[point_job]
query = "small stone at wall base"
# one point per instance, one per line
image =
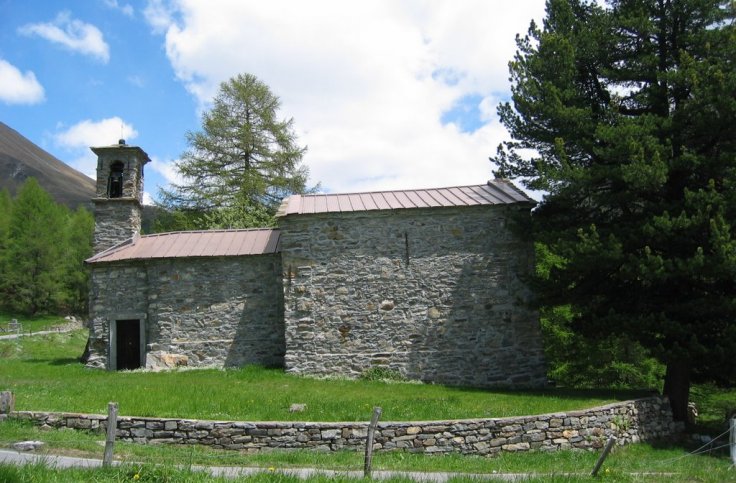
(297, 408)
(28, 445)
(159, 360)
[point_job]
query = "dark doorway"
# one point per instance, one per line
(128, 344)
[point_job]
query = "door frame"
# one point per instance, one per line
(112, 350)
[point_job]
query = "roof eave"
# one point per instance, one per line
(120, 246)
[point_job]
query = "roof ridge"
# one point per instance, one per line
(393, 191)
(218, 230)
(492, 192)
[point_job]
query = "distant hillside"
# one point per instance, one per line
(21, 159)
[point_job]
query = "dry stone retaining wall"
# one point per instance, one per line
(630, 421)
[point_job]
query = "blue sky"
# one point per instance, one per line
(385, 94)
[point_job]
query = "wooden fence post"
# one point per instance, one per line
(369, 441)
(7, 402)
(733, 440)
(112, 425)
(602, 457)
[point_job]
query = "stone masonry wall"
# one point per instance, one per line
(200, 312)
(116, 221)
(630, 421)
(223, 311)
(436, 294)
(116, 293)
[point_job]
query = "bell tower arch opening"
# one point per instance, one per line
(115, 180)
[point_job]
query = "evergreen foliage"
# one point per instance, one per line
(79, 230)
(42, 251)
(6, 202)
(240, 165)
(630, 113)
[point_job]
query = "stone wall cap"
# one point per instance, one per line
(353, 424)
(99, 150)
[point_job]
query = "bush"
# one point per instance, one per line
(612, 362)
(381, 373)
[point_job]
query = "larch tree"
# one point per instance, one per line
(6, 205)
(79, 230)
(625, 115)
(32, 262)
(241, 164)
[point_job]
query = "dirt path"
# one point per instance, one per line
(20, 458)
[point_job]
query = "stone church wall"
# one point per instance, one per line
(435, 294)
(200, 312)
(117, 292)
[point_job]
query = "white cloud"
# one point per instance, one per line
(148, 199)
(166, 168)
(136, 80)
(71, 33)
(78, 138)
(366, 82)
(17, 87)
(126, 9)
(159, 15)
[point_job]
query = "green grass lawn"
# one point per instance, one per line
(641, 463)
(44, 374)
(34, 323)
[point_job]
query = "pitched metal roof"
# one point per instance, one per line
(495, 192)
(211, 243)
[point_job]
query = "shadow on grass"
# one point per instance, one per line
(63, 361)
(717, 448)
(565, 393)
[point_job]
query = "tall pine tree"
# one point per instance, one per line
(630, 113)
(241, 164)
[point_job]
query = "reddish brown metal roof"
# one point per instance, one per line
(212, 243)
(495, 192)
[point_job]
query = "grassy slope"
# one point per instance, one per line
(44, 374)
(35, 323)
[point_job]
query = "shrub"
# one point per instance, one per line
(382, 373)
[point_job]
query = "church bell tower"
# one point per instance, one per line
(119, 197)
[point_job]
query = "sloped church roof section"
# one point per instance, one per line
(224, 243)
(495, 192)
(211, 243)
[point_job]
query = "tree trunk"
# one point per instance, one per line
(677, 387)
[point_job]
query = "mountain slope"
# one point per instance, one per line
(21, 159)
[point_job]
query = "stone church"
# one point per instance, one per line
(429, 283)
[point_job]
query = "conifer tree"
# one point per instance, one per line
(241, 164)
(33, 274)
(77, 248)
(629, 111)
(6, 204)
